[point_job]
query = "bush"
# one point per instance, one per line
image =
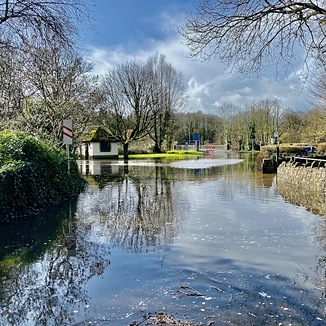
(286, 148)
(33, 176)
(321, 148)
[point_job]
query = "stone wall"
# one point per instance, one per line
(306, 177)
(303, 186)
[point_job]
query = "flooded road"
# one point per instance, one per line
(207, 240)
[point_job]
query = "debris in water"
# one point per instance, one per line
(187, 290)
(160, 319)
(264, 294)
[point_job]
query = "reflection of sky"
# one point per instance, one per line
(232, 234)
(187, 164)
(256, 249)
(204, 164)
(248, 251)
(244, 233)
(263, 230)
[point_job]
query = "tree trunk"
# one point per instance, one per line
(125, 151)
(157, 148)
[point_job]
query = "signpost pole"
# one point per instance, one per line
(68, 157)
(277, 147)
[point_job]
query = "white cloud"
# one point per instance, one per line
(197, 89)
(208, 84)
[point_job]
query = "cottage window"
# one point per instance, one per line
(105, 146)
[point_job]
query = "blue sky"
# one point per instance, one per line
(135, 29)
(133, 21)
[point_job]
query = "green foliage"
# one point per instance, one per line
(33, 176)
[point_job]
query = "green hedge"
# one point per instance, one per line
(33, 176)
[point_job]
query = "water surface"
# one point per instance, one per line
(207, 239)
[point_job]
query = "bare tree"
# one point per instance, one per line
(291, 127)
(167, 92)
(315, 119)
(318, 88)
(314, 126)
(27, 29)
(227, 112)
(266, 116)
(128, 112)
(251, 35)
(12, 82)
(40, 20)
(255, 122)
(59, 86)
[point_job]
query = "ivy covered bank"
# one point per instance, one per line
(33, 176)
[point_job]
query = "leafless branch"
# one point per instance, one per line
(251, 35)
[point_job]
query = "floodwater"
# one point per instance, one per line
(204, 239)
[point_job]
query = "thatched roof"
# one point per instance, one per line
(97, 135)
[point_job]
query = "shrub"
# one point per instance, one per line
(286, 148)
(33, 176)
(321, 148)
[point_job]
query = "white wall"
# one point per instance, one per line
(95, 153)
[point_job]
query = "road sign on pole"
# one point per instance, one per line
(67, 132)
(67, 138)
(196, 134)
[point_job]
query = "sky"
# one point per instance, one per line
(124, 30)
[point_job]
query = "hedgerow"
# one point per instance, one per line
(33, 176)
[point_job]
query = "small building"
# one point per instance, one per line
(99, 145)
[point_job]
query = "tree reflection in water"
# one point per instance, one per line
(135, 208)
(134, 214)
(43, 284)
(40, 283)
(143, 209)
(301, 195)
